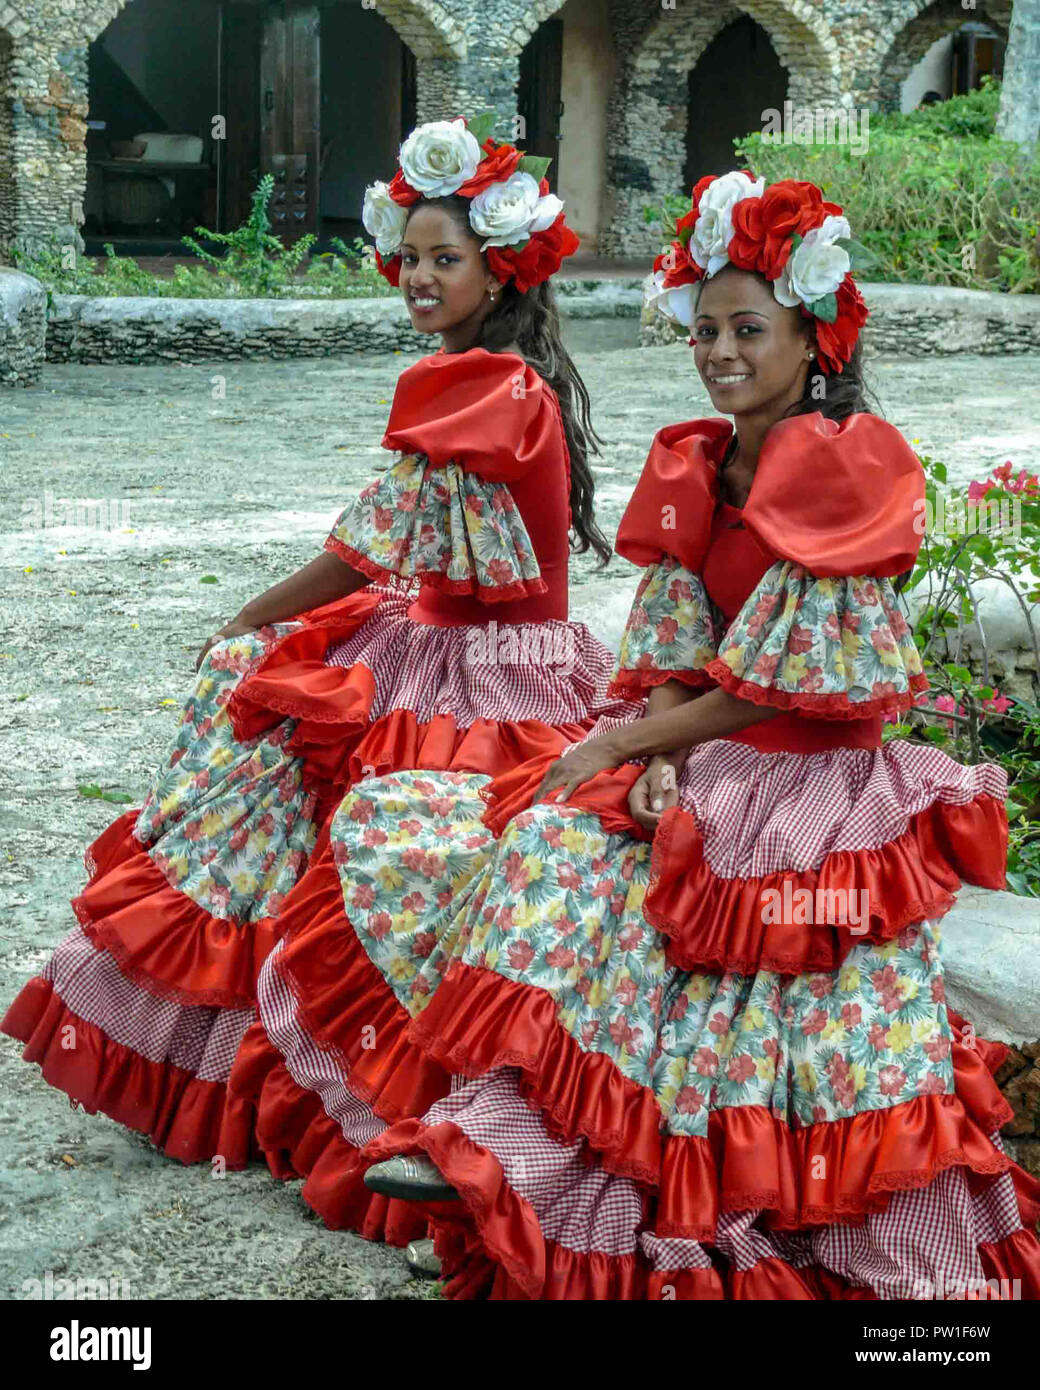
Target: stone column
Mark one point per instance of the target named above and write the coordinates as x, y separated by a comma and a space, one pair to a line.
43, 126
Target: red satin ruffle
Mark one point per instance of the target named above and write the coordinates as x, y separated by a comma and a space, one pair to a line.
160, 938
750, 1160
716, 925
188, 1119
298, 1139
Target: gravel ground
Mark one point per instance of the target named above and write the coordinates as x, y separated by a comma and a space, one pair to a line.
236, 471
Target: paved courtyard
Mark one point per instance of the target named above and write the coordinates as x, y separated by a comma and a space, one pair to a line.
235, 472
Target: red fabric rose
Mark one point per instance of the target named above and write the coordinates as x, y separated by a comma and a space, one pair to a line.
500, 163
540, 258
402, 191
835, 341
391, 269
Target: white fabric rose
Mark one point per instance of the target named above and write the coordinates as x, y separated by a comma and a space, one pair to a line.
383, 219
714, 226
509, 212
439, 157
817, 267
676, 303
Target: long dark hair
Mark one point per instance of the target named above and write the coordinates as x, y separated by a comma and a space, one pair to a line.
532, 321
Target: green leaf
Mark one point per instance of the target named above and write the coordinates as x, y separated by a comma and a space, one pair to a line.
209, 579
935, 734
481, 126
939, 469
825, 308
859, 256
535, 165
960, 673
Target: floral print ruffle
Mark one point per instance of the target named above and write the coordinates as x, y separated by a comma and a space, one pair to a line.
673, 630
441, 526
229, 823
556, 906
839, 648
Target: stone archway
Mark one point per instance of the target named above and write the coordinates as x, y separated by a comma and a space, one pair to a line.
647, 130
904, 43
43, 100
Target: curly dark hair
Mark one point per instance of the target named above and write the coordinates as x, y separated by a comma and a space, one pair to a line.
532, 321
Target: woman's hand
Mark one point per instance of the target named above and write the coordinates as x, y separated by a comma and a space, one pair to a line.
656, 791
235, 628
580, 765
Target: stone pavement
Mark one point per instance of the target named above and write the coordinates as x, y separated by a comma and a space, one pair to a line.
99, 628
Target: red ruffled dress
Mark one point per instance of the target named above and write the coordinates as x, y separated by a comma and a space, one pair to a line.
717, 1063
459, 655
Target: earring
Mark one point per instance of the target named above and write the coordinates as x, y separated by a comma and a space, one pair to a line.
809, 355
492, 293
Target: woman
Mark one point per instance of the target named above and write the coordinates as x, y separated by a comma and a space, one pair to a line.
695, 999
432, 633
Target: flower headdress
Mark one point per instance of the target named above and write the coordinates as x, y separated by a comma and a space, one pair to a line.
784, 231
520, 222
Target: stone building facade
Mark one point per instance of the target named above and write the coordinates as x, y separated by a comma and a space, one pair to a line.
628, 96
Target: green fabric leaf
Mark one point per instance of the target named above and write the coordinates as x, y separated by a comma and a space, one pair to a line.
825, 308
480, 127
535, 165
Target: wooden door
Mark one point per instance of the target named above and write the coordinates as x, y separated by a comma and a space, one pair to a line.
238, 155
538, 94
290, 123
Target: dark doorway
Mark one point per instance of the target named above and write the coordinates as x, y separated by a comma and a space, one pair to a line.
737, 77
538, 97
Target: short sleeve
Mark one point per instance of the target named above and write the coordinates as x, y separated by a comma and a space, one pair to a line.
836, 648
441, 526
488, 412
672, 633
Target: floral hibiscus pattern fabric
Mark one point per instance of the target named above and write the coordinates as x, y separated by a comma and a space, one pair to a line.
229, 823
442, 526
556, 905
673, 630
828, 646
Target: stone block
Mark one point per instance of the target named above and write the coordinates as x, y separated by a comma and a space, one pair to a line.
23, 328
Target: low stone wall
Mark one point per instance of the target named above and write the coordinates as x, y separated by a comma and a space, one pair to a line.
917, 319
23, 326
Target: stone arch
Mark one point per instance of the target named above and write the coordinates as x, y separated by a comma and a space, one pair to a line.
905, 42
647, 128
426, 26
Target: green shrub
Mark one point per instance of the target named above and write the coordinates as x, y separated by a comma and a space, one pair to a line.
936, 197
253, 264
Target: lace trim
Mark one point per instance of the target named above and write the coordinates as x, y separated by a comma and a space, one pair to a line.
831, 706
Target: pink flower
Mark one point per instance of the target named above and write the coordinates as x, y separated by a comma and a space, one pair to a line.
740, 1068
706, 1061
891, 1080
689, 1101
560, 957
931, 1085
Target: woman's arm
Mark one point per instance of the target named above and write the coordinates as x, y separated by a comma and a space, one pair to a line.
324, 579
687, 722
713, 715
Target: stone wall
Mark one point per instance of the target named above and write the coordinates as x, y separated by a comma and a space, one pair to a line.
836, 52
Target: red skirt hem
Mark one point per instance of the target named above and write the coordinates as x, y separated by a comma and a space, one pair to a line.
188, 1119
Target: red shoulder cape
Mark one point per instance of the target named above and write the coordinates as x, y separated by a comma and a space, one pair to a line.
840, 498
487, 411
